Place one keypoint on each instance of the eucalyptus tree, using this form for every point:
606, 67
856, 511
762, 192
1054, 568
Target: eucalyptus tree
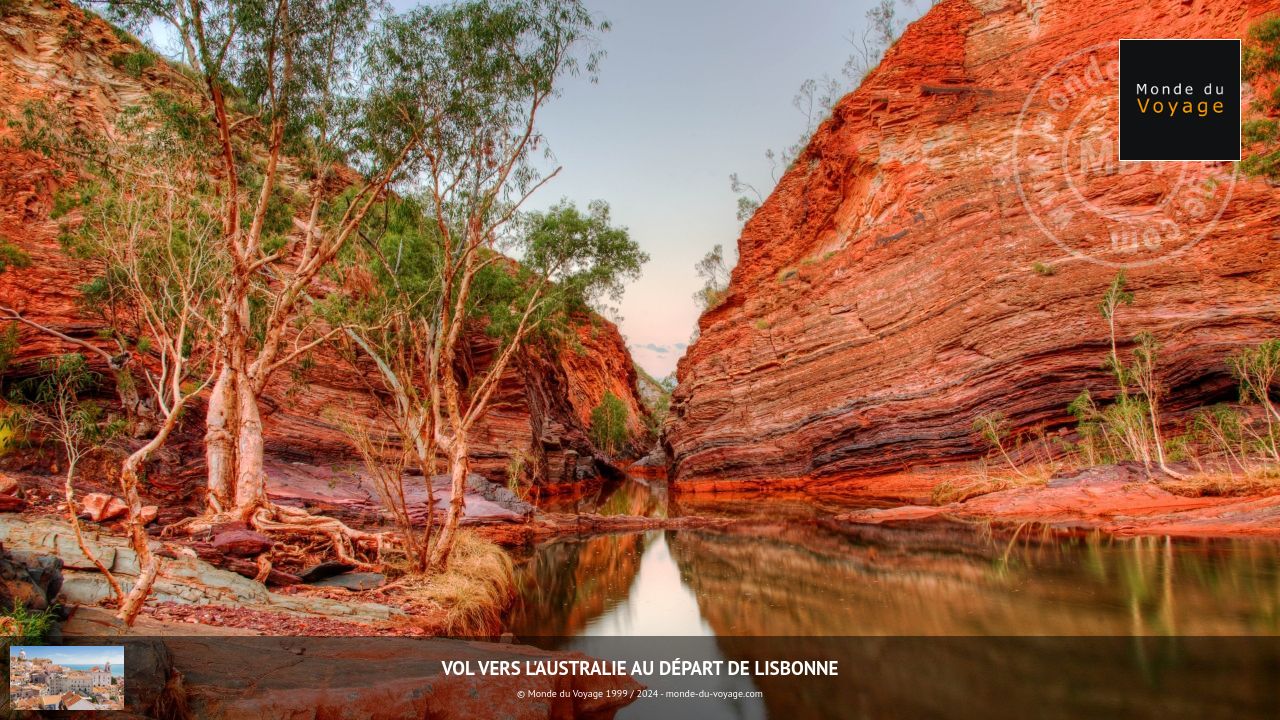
569, 260
477, 75
144, 227
152, 238
442, 100
283, 84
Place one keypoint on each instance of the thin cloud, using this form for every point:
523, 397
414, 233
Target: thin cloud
655, 348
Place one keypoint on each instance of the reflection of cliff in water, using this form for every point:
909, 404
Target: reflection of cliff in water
623, 496
568, 583
953, 580
811, 584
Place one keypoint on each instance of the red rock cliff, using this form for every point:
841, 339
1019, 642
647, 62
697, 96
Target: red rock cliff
924, 261
53, 52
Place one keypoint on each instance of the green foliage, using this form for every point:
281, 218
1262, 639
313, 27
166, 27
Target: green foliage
55, 400
1221, 428
1260, 130
609, 423
8, 346
571, 260
583, 253
1257, 369
28, 625
656, 395
65, 374
1115, 296
1262, 57
1262, 49
1044, 269
133, 63
12, 256
1129, 427
184, 122
993, 427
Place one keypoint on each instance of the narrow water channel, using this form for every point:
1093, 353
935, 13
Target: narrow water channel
786, 576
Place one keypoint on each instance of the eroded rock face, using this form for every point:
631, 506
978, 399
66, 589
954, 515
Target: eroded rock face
540, 414
895, 285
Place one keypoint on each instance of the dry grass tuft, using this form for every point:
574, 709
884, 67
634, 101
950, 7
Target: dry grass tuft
1259, 480
984, 482
469, 597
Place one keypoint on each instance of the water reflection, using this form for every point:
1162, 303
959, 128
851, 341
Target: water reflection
627, 496
788, 582
792, 574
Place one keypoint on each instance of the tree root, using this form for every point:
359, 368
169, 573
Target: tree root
283, 520
345, 539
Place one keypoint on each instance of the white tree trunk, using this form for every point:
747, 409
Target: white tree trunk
220, 442
251, 488
459, 468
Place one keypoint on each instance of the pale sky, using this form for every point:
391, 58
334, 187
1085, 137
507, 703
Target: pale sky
688, 93
73, 654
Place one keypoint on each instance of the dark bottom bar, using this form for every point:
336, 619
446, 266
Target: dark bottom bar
702, 678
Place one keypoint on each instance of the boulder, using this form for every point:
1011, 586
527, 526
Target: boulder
242, 543
101, 507
11, 503
149, 514
8, 485
29, 579
499, 495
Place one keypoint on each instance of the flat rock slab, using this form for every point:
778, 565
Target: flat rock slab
302, 483
876, 516
183, 579
316, 573
354, 581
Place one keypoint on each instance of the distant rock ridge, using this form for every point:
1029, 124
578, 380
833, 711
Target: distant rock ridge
913, 269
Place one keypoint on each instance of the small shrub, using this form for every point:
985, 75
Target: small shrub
133, 64
21, 622
1221, 428
762, 324
994, 429
517, 469
1044, 269
1258, 370
12, 256
609, 424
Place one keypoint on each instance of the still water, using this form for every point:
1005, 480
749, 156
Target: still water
788, 574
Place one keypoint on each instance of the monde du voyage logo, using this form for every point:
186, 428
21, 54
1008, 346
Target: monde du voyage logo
1180, 100
1126, 153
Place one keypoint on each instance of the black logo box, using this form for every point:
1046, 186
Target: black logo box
1188, 65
